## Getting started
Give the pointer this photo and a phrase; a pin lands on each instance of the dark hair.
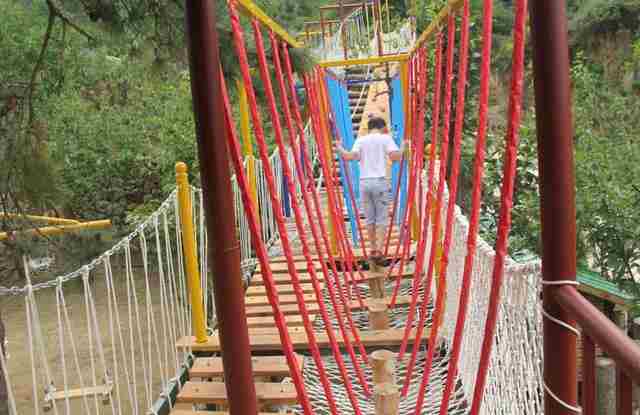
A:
(376, 123)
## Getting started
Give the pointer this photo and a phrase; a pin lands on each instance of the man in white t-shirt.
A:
(373, 150)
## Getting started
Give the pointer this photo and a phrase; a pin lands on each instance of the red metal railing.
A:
(598, 329)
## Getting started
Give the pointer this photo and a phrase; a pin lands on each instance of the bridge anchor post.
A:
(378, 314)
(387, 399)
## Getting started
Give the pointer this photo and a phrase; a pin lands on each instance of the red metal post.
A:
(588, 376)
(624, 393)
(557, 194)
(224, 247)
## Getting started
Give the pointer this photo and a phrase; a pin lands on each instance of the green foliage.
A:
(117, 139)
(607, 173)
(597, 17)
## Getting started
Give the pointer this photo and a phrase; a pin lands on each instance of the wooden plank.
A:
(194, 412)
(216, 393)
(305, 278)
(265, 343)
(79, 393)
(274, 330)
(312, 308)
(287, 310)
(282, 267)
(283, 299)
(292, 321)
(284, 289)
(211, 367)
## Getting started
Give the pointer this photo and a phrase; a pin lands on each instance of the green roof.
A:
(594, 284)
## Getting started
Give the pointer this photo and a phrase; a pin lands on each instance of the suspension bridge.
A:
(255, 293)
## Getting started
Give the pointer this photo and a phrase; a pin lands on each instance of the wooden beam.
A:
(271, 343)
(366, 61)
(249, 8)
(211, 367)
(216, 393)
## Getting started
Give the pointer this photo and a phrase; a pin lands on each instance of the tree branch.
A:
(65, 17)
(39, 62)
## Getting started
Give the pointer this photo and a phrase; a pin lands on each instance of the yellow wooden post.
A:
(190, 256)
(247, 143)
(329, 157)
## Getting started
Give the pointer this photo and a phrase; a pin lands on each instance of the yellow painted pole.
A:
(57, 230)
(190, 256)
(333, 239)
(247, 143)
(47, 219)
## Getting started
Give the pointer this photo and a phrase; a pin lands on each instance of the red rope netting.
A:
(425, 207)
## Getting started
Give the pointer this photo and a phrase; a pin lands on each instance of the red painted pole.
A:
(624, 393)
(588, 376)
(557, 194)
(224, 247)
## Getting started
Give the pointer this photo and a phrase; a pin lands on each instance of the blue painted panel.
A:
(343, 128)
(398, 127)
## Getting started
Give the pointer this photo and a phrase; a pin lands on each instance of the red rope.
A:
(418, 275)
(334, 199)
(415, 172)
(509, 175)
(453, 192)
(307, 204)
(316, 200)
(262, 146)
(266, 80)
(354, 205)
(263, 258)
(444, 156)
(408, 137)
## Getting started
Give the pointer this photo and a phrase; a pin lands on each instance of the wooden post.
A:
(635, 334)
(605, 386)
(376, 283)
(383, 367)
(387, 399)
(378, 314)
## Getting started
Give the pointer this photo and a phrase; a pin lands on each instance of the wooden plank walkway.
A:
(270, 366)
(271, 343)
(267, 361)
(216, 393)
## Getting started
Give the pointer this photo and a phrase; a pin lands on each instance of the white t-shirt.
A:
(374, 149)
